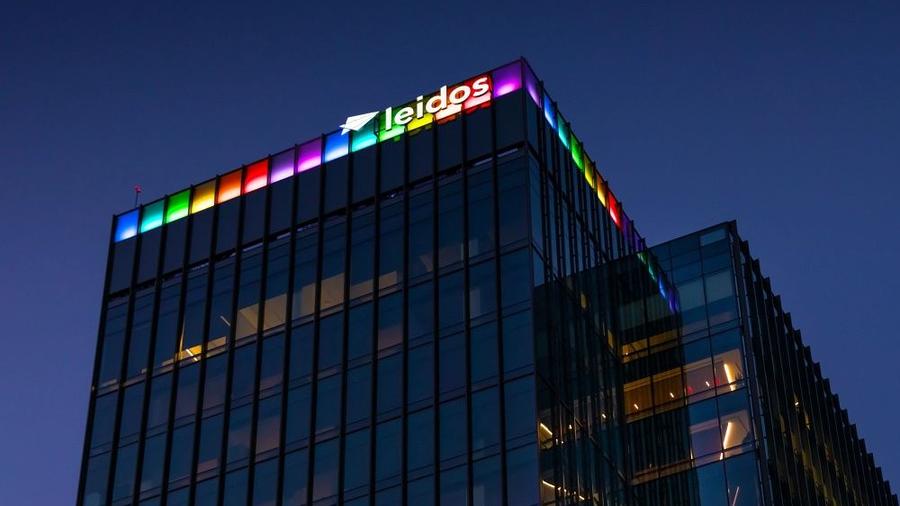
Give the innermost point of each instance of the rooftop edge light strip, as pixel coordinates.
(445, 104)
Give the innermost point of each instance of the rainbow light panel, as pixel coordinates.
(310, 155)
(177, 207)
(204, 196)
(507, 79)
(282, 166)
(502, 81)
(152, 217)
(257, 176)
(229, 186)
(127, 225)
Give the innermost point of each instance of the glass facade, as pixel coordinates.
(454, 311)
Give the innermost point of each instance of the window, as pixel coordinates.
(485, 419)
(276, 284)
(331, 341)
(272, 362)
(265, 483)
(268, 425)
(520, 415)
(420, 311)
(486, 490)
(141, 322)
(132, 408)
(359, 393)
(420, 434)
(332, 285)
(186, 398)
(521, 476)
(390, 383)
(248, 294)
(513, 201)
(95, 480)
(449, 143)
(326, 466)
(482, 289)
(451, 300)
(126, 464)
(227, 228)
(452, 428)
(478, 133)
(301, 352)
(113, 342)
(328, 403)
(420, 379)
(210, 443)
(388, 449)
(243, 372)
(362, 253)
(220, 306)
(104, 418)
(295, 476)
(518, 349)
(421, 233)
(239, 433)
(356, 460)
(214, 385)
(515, 282)
(158, 410)
(421, 154)
(392, 154)
(390, 321)
(390, 241)
(481, 212)
(154, 457)
(235, 493)
(454, 486)
(450, 223)
(297, 419)
(359, 340)
(181, 452)
(304, 301)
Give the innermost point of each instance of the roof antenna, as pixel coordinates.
(137, 194)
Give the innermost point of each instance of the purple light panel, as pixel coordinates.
(507, 79)
(310, 155)
(282, 166)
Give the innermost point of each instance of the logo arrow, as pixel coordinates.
(356, 122)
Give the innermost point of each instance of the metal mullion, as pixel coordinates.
(288, 334)
(404, 322)
(345, 310)
(229, 351)
(314, 386)
(435, 317)
(263, 281)
(151, 347)
(201, 376)
(176, 367)
(467, 317)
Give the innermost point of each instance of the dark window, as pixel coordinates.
(520, 410)
(510, 124)
(481, 213)
(333, 251)
(421, 154)
(239, 433)
(359, 393)
(336, 183)
(265, 483)
(421, 233)
(104, 418)
(514, 277)
(421, 310)
(478, 133)
(390, 321)
(154, 458)
(150, 243)
(301, 352)
(452, 356)
(359, 340)
(181, 451)
(421, 491)
(235, 493)
(326, 470)
(449, 142)
(420, 384)
(297, 420)
(363, 174)
(388, 449)
(113, 342)
(331, 341)
(210, 443)
(451, 300)
(158, 410)
(454, 486)
(390, 249)
(247, 318)
(201, 234)
(452, 429)
(304, 301)
(518, 350)
(485, 419)
(521, 473)
(214, 385)
(450, 223)
(132, 408)
(296, 465)
(392, 166)
(268, 424)
(227, 227)
(243, 372)
(420, 433)
(254, 216)
(483, 354)
(122, 265)
(482, 289)
(390, 383)
(191, 338)
(272, 362)
(277, 272)
(280, 204)
(207, 493)
(362, 253)
(486, 490)
(175, 241)
(141, 323)
(513, 201)
(356, 461)
(328, 403)
(221, 304)
(308, 195)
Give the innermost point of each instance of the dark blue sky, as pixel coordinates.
(784, 117)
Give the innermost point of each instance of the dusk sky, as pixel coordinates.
(783, 117)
